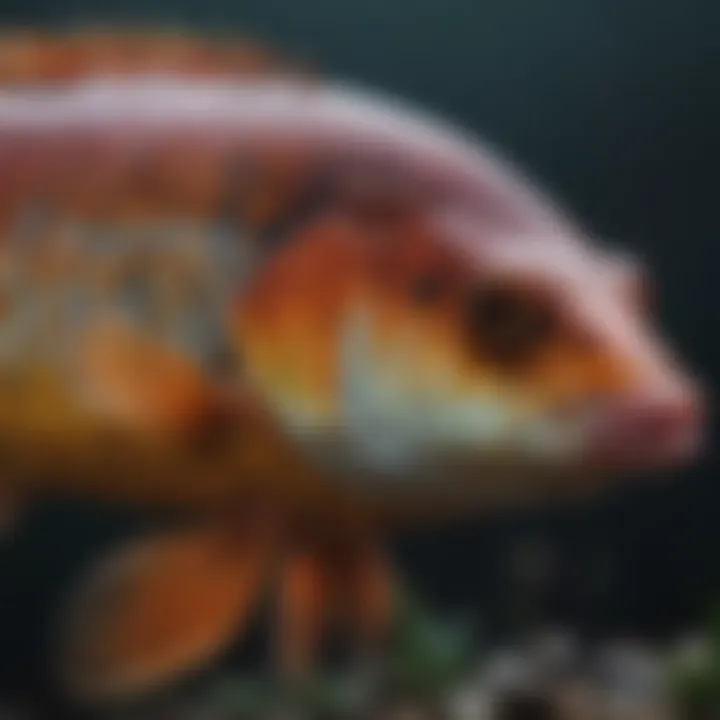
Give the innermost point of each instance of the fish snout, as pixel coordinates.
(654, 428)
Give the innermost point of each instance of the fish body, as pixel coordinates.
(101, 177)
(260, 296)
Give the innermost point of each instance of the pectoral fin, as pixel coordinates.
(129, 377)
(158, 609)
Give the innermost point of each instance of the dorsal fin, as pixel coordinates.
(37, 57)
(63, 58)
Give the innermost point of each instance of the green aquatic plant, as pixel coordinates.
(424, 659)
(694, 675)
(427, 655)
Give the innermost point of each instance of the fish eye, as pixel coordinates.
(508, 325)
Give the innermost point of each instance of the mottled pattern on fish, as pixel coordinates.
(303, 314)
(112, 209)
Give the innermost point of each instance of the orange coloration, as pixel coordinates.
(35, 57)
(331, 581)
(568, 365)
(163, 606)
(135, 381)
(291, 317)
(303, 610)
(130, 416)
(166, 604)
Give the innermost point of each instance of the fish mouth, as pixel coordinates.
(648, 433)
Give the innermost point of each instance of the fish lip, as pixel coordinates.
(612, 449)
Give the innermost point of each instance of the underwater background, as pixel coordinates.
(615, 107)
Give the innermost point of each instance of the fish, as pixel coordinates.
(299, 315)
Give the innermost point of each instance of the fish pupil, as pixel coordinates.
(507, 325)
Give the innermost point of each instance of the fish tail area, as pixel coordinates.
(43, 57)
(160, 608)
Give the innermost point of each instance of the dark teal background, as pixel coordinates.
(615, 104)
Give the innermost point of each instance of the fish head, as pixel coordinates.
(417, 347)
(474, 348)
